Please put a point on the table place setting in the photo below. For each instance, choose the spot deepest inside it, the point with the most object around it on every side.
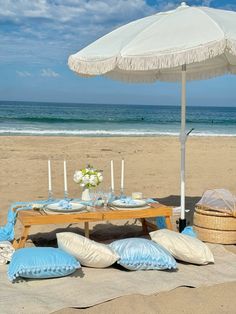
(93, 198)
(103, 204)
(128, 204)
(60, 207)
(123, 202)
(64, 206)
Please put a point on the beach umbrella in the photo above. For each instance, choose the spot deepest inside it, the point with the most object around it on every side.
(186, 43)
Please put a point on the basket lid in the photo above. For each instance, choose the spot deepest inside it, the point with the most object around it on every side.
(219, 200)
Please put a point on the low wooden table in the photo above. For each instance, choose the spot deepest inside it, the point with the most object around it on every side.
(29, 218)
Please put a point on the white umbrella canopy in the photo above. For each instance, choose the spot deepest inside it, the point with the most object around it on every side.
(155, 47)
(197, 42)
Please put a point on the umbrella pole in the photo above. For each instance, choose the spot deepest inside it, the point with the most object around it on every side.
(183, 137)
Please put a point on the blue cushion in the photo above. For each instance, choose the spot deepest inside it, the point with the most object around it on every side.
(189, 231)
(41, 262)
(142, 254)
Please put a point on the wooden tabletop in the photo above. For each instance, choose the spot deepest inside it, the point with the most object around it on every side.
(38, 217)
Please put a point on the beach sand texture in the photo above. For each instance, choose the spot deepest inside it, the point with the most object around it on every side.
(152, 167)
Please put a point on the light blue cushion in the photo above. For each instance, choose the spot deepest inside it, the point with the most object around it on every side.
(142, 254)
(41, 262)
(189, 231)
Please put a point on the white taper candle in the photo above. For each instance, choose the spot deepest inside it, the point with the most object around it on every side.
(112, 176)
(122, 174)
(49, 176)
(65, 177)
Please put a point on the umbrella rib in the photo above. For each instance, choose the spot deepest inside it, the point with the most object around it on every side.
(163, 17)
(213, 21)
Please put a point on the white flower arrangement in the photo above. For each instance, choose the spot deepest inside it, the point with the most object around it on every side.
(88, 177)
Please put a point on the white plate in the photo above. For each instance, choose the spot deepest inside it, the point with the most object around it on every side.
(74, 207)
(135, 204)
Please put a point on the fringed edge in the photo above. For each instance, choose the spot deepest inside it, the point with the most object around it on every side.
(165, 60)
(162, 76)
(168, 60)
(231, 47)
(91, 67)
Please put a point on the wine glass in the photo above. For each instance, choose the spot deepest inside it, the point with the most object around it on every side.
(94, 197)
(104, 196)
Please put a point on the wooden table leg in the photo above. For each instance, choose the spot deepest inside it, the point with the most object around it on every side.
(24, 237)
(168, 223)
(15, 244)
(86, 229)
(144, 225)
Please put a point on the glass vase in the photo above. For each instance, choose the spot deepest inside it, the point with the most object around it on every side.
(86, 195)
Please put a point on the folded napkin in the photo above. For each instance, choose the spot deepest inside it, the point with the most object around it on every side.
(128, 200)
(65, 204)
(6, 252)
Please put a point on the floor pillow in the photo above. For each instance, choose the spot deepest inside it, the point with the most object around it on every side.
(88, 252)
(183, 247)
(142, 254)
(41, 262)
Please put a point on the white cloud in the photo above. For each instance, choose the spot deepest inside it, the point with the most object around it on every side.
(49, 73)
(67, 10)
(207, 2)
(46, 32)
(23, 73)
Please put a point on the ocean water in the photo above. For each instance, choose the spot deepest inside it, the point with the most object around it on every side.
(30, 118)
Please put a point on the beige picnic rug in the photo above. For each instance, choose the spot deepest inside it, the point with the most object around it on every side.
(92, 286)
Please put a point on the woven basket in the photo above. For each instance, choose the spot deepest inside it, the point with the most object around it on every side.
(215, 236)
(214, 226)
(214, 220)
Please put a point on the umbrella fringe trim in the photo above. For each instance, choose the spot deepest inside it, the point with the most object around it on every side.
(88, 67)
(130, 77)
(231, 45)
(92, 67)
(172, 60)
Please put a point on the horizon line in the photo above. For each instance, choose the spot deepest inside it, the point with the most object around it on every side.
(114, 104)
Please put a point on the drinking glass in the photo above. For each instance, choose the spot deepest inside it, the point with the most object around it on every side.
(94, 197)
(104, 195)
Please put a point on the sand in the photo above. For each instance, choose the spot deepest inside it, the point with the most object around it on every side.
(152, 167)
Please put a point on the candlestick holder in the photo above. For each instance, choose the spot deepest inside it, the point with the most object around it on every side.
(122, 193)
(50, 195)
(66, 195)
(112, 196)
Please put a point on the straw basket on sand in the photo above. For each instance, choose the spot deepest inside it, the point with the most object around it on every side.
(215, 217)
(214, 226)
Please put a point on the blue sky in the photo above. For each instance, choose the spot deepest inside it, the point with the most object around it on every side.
(36, 38)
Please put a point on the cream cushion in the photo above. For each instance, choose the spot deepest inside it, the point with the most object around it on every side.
(183, 247)
(87, 252)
